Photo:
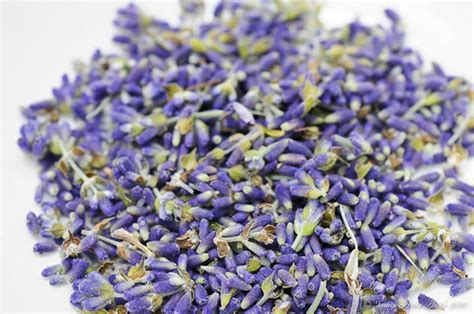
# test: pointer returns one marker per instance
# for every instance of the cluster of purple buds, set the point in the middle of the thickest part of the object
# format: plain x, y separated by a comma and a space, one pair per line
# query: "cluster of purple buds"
256, 163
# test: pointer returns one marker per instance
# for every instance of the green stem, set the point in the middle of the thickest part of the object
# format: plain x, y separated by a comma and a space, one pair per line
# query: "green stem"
210, 114
297, 241
263, 300
101, 237
98, 109
355, 304
462, 127
348, 228
317, 299
232, 239
75, 167
252, 135
409, 259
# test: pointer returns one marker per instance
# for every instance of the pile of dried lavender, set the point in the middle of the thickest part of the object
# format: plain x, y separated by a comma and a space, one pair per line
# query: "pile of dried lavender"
258, 163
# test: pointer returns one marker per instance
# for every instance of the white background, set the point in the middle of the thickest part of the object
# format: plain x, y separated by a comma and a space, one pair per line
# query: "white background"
40, 40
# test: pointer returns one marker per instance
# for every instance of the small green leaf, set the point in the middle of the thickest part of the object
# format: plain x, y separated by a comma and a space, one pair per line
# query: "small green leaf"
218, 153
314, 194
261, 45
157, 204
332, 159
253, 265
55, 148
226, 297
156, 302
136, 129
243, 46
188, 161
197, 45
308, 229
158, 119
362, 169
57, 230
431, 99
238, 172
274, 133
267, 285
309, 103
325, 185
336, 51
281, 308
310, 95
106, 291
310, 90
437, 198
417, 143
307, 179
292, 269
185, 125
137, 271
172, 89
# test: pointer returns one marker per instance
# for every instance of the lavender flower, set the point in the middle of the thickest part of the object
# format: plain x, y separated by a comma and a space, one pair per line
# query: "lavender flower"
257, 162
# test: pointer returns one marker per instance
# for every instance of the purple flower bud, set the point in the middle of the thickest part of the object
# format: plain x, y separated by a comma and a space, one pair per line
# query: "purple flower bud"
287, 279
459, 209
322, 267
232, 307
431, 275
251, 297
335, 191
427, 302
237, 283
348, 199
383, 212
461, 287
200, 294
422, 255
368, 238
340, 116
461, 186
137, 305
233, 230
301, 288
212, 303
164, 249
448, 278
386, 307
197, 259
78, 269
246, 276
340, 291
365, 278
286, 259
44, 247
331, 254
394, 223
387, 252
372, 210
242, 257
32, 223
401, 124
391, 280
137, 291
374, 299
283, 196
466, 241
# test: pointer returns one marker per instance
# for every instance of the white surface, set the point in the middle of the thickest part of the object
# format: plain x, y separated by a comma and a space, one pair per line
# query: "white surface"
41, 39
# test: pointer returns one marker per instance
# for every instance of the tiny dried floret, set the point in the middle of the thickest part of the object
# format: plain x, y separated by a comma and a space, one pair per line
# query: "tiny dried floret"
257, 162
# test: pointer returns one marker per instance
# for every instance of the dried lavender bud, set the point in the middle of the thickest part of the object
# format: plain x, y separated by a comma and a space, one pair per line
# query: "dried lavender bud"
230, 166
427, 302
461, 287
